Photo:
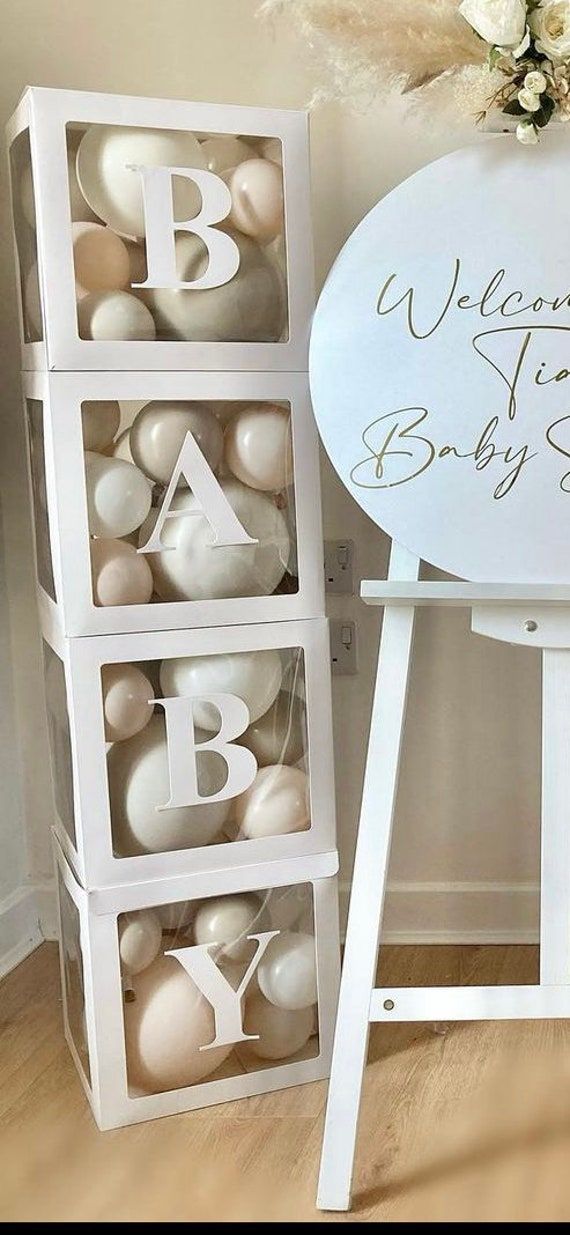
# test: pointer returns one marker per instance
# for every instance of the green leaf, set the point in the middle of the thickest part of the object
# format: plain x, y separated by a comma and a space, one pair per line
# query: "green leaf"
541, 117
494, 56
514, 109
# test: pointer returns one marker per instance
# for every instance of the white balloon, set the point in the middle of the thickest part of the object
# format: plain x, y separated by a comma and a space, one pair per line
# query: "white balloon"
256, 187
128, 701
276, 803
118, 495
100, 258
254, 677
158, 432
281, 1031
139, 786
227, 921
258, 447
250, 308
279, 735
287, 971
165, 1026
122, 447
120, 575
107, 159
114, 315
224, 152
192, 568
100, 420
140, 939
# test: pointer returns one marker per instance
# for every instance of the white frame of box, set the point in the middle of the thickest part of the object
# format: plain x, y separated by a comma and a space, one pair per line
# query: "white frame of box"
92, 855
75, 612
107, 1093
46, 112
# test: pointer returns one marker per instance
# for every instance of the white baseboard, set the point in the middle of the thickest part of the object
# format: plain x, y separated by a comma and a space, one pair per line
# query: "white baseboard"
27, 918
415, 913
20, 929
457, 912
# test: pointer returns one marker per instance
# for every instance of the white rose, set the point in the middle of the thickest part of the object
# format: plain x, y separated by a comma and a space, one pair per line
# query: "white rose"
550, 25
528, 100
536, 82
527, 134
500, 22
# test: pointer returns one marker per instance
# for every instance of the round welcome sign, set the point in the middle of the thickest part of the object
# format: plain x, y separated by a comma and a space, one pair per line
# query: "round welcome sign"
440, 362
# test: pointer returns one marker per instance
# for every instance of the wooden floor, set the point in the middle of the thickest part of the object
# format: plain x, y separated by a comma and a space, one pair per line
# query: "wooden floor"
468, 1124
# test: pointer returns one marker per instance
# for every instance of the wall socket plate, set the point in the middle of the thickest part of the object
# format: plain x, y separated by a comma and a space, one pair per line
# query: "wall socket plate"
339, 567
344, 659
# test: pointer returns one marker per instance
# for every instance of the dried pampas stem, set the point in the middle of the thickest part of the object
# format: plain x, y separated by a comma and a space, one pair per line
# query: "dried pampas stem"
372, 47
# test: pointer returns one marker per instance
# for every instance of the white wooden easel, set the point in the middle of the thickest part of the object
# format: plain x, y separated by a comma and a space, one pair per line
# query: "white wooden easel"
537, 615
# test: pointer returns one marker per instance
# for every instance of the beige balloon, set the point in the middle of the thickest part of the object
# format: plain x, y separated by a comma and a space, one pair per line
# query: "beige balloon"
120, 575
258, 447
114, 315
256, 187
282, 1031
166, 1024
275, 804
100, 258
140, 939
250, 308
100, 420
128, 701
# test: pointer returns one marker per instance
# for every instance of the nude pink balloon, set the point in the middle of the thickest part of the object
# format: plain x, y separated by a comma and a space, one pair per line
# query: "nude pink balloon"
121, 576
100, 258
256, 187
128, 701
165, 1027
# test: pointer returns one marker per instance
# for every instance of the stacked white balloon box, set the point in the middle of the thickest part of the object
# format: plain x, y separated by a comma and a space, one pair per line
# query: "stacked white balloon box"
164, 262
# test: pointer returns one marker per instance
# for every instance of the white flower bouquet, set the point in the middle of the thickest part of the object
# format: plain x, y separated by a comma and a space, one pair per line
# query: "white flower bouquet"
529, 45
467, 57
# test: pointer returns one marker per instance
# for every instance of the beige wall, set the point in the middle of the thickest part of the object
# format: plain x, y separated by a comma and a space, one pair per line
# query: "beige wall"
467, 817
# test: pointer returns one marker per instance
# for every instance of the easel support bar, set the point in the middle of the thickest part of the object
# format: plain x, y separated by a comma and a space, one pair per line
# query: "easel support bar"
470, 1003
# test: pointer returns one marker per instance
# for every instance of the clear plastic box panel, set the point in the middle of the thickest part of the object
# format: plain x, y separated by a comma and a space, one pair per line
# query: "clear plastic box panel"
141, 775
72, 960
132, 449
169, 1024
34, 408
24, 215
109, 235
59, 739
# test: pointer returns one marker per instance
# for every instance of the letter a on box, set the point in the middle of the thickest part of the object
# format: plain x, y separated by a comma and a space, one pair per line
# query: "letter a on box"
210, 501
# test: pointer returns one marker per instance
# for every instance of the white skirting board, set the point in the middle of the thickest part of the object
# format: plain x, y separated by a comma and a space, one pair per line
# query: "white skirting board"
415, 913
457, 912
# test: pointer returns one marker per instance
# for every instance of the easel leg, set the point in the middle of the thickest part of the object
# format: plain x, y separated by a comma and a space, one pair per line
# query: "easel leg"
555, 837
367, 898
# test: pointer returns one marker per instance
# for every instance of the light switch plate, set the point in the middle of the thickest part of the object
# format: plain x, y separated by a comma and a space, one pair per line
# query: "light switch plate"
344, 658
339, 567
